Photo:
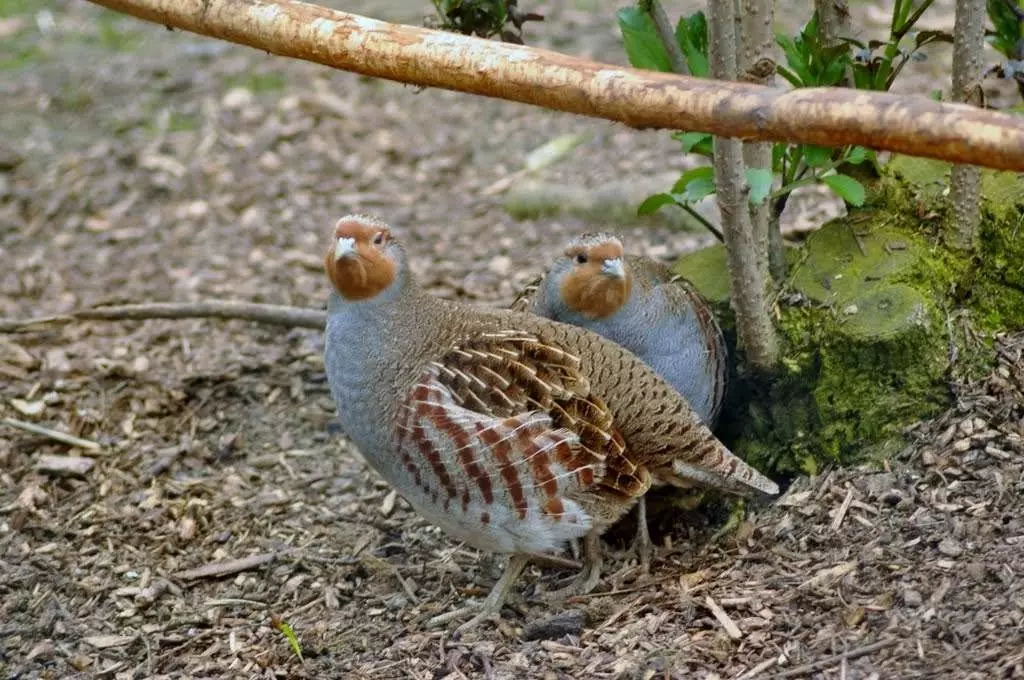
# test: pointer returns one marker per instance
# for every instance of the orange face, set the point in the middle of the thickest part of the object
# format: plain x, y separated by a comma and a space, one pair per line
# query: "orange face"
356, 262
598, 284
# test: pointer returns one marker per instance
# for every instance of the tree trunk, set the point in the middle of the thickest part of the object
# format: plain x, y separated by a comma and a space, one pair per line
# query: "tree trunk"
965, 187
833, 21
747, 279
757, 65
638, 98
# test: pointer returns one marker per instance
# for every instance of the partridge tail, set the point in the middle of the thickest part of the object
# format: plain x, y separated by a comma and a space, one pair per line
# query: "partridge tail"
715, 466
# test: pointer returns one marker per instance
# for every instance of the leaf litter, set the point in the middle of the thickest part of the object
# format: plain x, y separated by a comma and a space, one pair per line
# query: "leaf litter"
220, 501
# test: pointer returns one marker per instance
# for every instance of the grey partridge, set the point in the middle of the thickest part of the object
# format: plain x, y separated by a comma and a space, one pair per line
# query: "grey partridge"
511, 432
644, 306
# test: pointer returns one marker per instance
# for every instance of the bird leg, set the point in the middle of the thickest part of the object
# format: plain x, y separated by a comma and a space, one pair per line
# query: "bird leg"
490, 608
590, 574
642, 544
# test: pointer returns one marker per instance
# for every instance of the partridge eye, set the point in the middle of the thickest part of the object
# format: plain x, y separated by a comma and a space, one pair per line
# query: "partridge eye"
582, 258
378, 240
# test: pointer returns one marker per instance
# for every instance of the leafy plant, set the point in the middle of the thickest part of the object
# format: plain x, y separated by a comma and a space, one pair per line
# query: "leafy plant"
878, 71
808, 64
1007, 18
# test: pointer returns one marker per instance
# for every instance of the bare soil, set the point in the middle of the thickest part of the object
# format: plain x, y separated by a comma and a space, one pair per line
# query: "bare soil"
138, 164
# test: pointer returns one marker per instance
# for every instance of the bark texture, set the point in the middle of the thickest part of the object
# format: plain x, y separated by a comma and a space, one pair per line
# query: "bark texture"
757, 65
747, 276
965, 186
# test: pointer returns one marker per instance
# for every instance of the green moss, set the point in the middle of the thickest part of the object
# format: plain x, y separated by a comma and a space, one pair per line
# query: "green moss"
706, 269
866, 345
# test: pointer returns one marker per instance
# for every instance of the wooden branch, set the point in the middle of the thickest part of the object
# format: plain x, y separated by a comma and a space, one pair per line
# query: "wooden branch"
278, 315
640, 99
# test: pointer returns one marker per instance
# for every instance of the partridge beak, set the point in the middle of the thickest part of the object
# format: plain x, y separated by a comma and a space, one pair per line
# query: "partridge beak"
344, 247
614, 268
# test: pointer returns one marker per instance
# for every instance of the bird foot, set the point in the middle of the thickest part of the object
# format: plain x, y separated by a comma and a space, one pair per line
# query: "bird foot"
589, 576
581, 584
490, 608
483, 613
642, 544
644, 551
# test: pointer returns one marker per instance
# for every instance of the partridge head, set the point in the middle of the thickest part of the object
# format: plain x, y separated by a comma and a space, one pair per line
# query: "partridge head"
642, 305
511, 432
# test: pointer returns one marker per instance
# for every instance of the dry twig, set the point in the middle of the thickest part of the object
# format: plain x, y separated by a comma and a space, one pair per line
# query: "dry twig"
278, 315
219, 569
730, 626
837, 521
62, 437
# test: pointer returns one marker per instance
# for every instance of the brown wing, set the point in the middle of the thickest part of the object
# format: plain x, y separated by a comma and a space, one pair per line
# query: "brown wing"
662, 434
503, 373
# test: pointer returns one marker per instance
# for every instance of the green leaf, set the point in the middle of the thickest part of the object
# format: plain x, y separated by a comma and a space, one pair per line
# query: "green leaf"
640, 38
286, 630
694, 142
817, 156
793, 78
856, 155
701, 173
654, 203
778, 153
698, 190
692, 36
849, 189
760, 182
1007, 24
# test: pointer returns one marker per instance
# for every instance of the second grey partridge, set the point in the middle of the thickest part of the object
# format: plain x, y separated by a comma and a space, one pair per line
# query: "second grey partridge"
644, 306
511, 432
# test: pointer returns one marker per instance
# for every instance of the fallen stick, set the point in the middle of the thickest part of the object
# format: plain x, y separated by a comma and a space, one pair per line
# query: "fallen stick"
832, 117
834, 659
62, 437
727, 623
220, 569
279, 315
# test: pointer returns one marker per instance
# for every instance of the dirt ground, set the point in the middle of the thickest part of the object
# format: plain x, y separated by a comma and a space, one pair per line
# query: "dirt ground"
138, 164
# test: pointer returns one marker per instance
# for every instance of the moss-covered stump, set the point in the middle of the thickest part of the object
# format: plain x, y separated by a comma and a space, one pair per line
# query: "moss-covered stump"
873, 311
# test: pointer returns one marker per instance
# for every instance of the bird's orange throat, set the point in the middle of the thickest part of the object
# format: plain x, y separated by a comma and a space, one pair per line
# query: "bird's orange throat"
361, 275
594, 295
